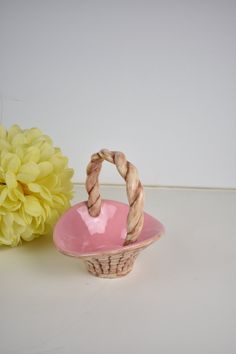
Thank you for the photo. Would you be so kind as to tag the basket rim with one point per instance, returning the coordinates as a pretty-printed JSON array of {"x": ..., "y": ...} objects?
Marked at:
[
  {"x": 103, "y": 253},
  {"x": 129, "y": 248}
]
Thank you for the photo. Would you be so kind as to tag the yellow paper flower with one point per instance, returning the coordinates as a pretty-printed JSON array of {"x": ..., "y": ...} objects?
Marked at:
[{"x": 35, "y": 184}]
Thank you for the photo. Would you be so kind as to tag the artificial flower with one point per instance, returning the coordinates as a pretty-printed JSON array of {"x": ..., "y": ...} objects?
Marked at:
[{"x": 35, "y": 184}]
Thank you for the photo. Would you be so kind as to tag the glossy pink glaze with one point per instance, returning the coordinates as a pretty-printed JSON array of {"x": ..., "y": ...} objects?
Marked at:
[{"x": 78, "y": 234}]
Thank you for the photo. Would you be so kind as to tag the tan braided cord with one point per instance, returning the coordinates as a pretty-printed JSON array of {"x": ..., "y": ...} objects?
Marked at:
[{"x": 134, "y": 189}]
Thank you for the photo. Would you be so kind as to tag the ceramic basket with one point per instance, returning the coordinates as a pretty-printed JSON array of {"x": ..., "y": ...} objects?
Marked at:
[{"x": 108, "y": 235}]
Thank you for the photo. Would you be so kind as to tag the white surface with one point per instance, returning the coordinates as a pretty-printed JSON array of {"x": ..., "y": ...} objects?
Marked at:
[
  {"x": 155, "y": 79},
  {"x": 180, "y": 297}
]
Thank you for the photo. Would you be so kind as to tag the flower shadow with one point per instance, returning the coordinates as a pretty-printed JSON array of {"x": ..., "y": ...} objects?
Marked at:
[{"x": 44, "y": 258}]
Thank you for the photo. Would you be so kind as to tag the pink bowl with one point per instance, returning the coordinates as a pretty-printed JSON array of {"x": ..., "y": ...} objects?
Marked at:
[{"x": 80, "y": 235}]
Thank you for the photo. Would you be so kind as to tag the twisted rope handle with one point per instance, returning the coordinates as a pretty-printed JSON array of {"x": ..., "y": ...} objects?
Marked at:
[{"x": 134, "y": 189}]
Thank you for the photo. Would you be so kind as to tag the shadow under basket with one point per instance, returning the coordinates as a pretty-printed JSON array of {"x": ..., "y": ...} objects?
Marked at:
[{"x": 108, "y": 235}]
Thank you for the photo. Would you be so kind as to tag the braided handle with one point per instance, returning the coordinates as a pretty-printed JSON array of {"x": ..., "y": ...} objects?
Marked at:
[{"x": 134, "y": 189}]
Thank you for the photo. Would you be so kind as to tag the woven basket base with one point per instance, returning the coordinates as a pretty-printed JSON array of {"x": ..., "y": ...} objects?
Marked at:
[
  {"x": 110, "y": 276},
  {"x": 112, "y": 266}
]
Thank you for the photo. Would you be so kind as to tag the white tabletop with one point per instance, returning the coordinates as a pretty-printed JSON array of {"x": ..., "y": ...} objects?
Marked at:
[{"x": 180, "y": 297}]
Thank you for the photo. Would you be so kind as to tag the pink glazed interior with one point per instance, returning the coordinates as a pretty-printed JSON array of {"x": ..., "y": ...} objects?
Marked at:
[{"x": 78, "y": 234}]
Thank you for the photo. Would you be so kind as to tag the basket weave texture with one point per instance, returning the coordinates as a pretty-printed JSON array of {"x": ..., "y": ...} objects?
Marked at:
[{"x": 112, "y": 266}]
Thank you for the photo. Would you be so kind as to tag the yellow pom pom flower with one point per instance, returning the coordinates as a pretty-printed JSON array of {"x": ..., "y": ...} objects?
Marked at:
[{"x": 35, "y": 184}]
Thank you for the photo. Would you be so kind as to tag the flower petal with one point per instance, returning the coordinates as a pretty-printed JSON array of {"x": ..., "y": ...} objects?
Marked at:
[
  {"x": 4, "y": 144},
  {"x": 28, "y": 234},
  {"x": 11, "y": 181},
  {"x": 3, "y": 195},
  {"x": 15, "y": 129},
  {"x": 32, "y": 154},
  {"x": 45, "y": 169},
  {"x": 32, "y": 206},
  {"x": 28, "y": 172},
  {"x": 50, "y": 181},
  {"x": 19, "y": 139},
  {"x": 27, "y": 218},
  {"x": 19, "y": 193},
  {"x": 18, "y": 219},
  {"x": 59, "y": 162},
  {"x": 11, "y": 205},
  {"x": 32, "y": 134},
  {"x": 43, "y": 191},
  {"x": 47, "y": 150},
  {"x": 10, "y": 162}
]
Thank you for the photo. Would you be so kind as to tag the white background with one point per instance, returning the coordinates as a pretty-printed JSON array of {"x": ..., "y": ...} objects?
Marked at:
[{"x": 155, "y": 79}]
